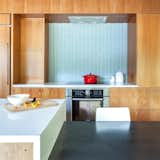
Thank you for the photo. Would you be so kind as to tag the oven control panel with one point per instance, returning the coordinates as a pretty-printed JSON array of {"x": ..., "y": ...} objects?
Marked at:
[{"x": 87, "y": 93}]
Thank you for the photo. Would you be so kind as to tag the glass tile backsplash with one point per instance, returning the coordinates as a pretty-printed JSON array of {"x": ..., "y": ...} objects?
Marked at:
[{"x": 78, "y": 49}]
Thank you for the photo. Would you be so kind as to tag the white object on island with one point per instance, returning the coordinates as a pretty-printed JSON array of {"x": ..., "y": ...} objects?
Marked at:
[
  {"x": 40, "y": 127},
  {"x": 18, "y": 99}
]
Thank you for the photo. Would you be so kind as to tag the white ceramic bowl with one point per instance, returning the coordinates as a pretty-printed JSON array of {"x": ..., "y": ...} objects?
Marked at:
[{"x": 18, "y": 99}]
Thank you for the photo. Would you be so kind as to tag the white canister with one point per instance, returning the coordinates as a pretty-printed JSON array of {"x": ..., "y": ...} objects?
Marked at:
[{"x": 119, "y": 77}]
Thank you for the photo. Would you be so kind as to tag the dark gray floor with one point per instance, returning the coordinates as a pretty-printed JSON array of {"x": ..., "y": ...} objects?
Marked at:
[{"x": 107, "y": 141}]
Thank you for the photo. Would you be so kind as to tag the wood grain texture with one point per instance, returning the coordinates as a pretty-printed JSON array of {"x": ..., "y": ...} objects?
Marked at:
[
  {"x": 5, "y": 19},
  {"x": 144, "y": 102},
  {"x": 111, "y": 18},
  {"x": 32, "y": 50},
  {"x": 148, "y": 50},
  {"x": 28, "y": 53},
  {"x": 15, "y": 51},
  {"x": 150, "y": 6},
  {"x": 132, "y": 49},
  {"x": 16, "y": 151},
  {"x": 4, "y": 61},
  {"x": 79, "y": 6},
  {"x": 41, "y": 92}
]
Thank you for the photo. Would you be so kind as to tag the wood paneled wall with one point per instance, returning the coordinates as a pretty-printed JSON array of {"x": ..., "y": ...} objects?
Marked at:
[
  {"x": 4, "y": 55},
  {"x": 132, "y": 52},
  {"x": 148, "y": 50},
  {"x": 15, "y": 51},
  {"x": 5, "y": 19},
  {"x": 144, "y": 102},
  {"x": 79, "y": 6},
  {"x": 41, "y": 92}
]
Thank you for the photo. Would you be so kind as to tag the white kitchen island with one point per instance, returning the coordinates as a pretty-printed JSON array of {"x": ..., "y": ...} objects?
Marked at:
[{"x": 39, "y": 127}]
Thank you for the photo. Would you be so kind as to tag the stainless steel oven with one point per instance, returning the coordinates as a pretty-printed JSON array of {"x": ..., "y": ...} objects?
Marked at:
[{"x": 82, "y": 103}]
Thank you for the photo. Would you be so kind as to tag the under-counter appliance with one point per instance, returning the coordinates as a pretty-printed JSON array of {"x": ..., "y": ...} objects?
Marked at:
[{"x": 82, "y": 103}]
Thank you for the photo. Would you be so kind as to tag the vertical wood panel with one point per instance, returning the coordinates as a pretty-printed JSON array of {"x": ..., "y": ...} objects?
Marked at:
[
  {"x": 4, "y": 61},
  {"x": 32, "y": 50},
  {"x": 132, "y": 49},
  {"x": 148, "y": 59},
  {"x": 15, "y": 53}
]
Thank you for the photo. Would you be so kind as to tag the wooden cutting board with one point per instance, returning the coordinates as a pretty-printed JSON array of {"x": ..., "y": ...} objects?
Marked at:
[{"x": 43, "y": 104}]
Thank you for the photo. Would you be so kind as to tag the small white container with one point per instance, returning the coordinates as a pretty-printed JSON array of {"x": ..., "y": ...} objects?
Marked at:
[
  {"x": 18, "y": 99},
  {"x": 119, "y": 78},
  {"x": 112, "y": 80}
]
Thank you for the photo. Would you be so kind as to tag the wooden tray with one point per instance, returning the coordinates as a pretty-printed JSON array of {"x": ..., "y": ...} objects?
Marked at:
[{"x": 43, "y": 104}]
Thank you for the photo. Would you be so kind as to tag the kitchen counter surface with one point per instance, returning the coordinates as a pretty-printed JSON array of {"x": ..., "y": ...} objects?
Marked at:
[
  {"x": 73, "y": 85},
  {"x": 39, "y": 126},
  {"x": 31, "y": 122},
  {"x": 108, "y": 140}
]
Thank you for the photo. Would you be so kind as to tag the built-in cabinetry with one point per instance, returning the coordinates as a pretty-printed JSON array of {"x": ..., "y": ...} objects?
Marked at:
[
  {"x": 79, "y": 6},
  {"x": 28, "y": 57},
  {"x": 31, "y": 50},
  {"x": 41, "y": 92},
  {"x": 150, "y": 6},
  {"x": 5, "y": 27},
  {"x": 16, "y": 151},
  {"x": 143, "y": 102},
  {"x": 148, "y": 50}
]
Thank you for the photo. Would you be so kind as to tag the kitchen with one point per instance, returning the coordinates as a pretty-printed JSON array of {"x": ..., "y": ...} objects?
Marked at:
[{"x": 64, "y": 51}]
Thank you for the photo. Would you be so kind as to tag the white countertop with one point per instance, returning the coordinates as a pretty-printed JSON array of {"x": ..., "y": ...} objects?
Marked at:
[
  {"x": 26, "y": 123},
  {"x": 73, "y": 85}
]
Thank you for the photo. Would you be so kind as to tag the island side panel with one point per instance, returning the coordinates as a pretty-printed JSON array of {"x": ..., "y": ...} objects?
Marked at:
[
  {"x": 16, "y": 151},
  {"x": 51, "y": 132}
]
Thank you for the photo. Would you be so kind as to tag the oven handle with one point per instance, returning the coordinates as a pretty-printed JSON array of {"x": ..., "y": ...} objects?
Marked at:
[{"x": 87, "y": 99}]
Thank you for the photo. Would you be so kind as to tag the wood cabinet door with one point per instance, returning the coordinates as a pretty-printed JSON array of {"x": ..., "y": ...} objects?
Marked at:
[
  {"x": 150, "y": 6},
  {"x": 16, "y": 151},
  {"x": 4, "y": 61},
  {"x": 5, "y": 19},
  {"x": 148, "y": 49}
]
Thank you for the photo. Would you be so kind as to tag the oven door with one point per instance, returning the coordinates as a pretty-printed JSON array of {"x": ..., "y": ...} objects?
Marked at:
[{"x": 84, "y": 109}]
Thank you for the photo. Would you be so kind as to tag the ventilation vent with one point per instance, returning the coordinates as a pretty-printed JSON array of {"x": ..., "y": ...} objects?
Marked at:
[{"x": 87, "y": 19}]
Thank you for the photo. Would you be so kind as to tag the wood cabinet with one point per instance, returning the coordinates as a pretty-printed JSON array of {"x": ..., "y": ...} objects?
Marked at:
[
  {"x": 132, "y": 52},
  {"x": 150, "y": 6},
  {"x": 143, "y": 102},
  {"x": 148, "y": 57},
  {"x": 4, "y": 56},
  {"x": 58, "y": 93},
  {"x": 5, "y": 19},
  {"x": 16, "y": 151},
  {"x": 29, "y": 51},
  {"x": 79, "y": 6}
]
